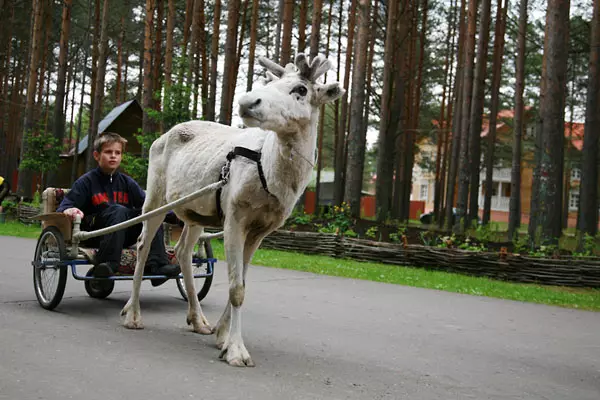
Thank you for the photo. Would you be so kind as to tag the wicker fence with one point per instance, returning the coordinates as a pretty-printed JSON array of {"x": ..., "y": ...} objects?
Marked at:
[{"x": 565, "y": 271}]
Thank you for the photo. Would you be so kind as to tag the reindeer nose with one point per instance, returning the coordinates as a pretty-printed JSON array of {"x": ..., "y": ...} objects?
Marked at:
[{"x": 248, "y": 105}]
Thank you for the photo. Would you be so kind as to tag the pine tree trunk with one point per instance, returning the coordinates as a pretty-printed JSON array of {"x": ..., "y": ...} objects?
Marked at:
[
  {"x": 95, "y": 52},
  {"x": 500, "y": 29},
  {"x": 169, "y": 45},
  {"x": 477, "y": 111},
  {"x": 194, "y": 57},
  {"x": 385, "y": 143},
  {"x": 120, "y": 60},
  {"x": 97, "y": 110},
  {"x": 59, "y": 117},
  {"x": 214, "y": 58},
  {"x": 321, "y": 127},
  {"x": 147, "y": 123},
  {"x": 230, "y": 54},
  {"x": 340, "y": 151},
  {"x": 286, "y": 38},
  {"x": 316, "y": 28},
  {"x": 356, "y": 136},
  {"x": 302, "y": 25},
  {"x": 278, "y": 30},
  {"x": 467, "y": 95},
  {"x": 552, "y": 157},
  {"x": 25, "y": 176},
  {"x": 157, "y": 61},
  {"x": 588, "y": 211},
  {"x": 437, "y": 196},
  {"x": 514, "y": 217},
  {"x": 252, "y": 49},
  {"x": 204, "y": 58},
  {"x": 240, "y": 44},
  {"x": 45, "y": 63}
]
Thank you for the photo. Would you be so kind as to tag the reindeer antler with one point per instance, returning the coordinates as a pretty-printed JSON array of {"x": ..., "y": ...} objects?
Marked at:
[{"x": 318, "y": 66}]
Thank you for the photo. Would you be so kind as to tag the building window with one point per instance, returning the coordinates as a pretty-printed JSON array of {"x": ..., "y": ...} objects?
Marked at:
[
  {"x": 576, "y": 174},
  {"x": 423, "y": 192},
  {"x": 574, "y": 199}
]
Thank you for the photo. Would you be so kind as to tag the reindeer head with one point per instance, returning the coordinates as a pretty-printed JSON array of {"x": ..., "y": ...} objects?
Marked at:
[{"x": 291, "y": 95}]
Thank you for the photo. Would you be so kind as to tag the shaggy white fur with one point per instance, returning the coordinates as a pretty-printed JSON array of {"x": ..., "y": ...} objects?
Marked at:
[{"x": 282, "y": 118}]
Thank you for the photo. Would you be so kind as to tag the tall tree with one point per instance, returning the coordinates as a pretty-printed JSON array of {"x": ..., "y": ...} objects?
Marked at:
[
  {"x": 316, "y": 28},
  {"x": 588, "y": 206},
  {"x": 286, "y": 39},
  {"x": 476, "y": 118},
  {"x": 147, "y": 123},
  {"x": 24, "y": 183},
  {"x": 356, "y": 135},
  {"x": 97, "y": 110},
  {"x": 252, "y": 49},
  {"x": 230, "y": 55},
  {"x": 553, "y": 110},
  {"x": 387, "y": 133},
  {"x": 214, "y": 59},
  {"x": 59, "y": 116},
  {"x": 302, "y": 25},
  {"x": 169, "y": 44},
  {"x": 467, "y": 96},
  {"x": 340, "y": 150},
  {"x": 501, "y": 15},
  {"x": 514, "y": 218},
  {"x": 456, "y": 121}
]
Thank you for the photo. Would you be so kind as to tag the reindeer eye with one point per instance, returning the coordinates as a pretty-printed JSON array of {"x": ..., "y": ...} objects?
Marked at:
[{"x": 300, "y": 89}]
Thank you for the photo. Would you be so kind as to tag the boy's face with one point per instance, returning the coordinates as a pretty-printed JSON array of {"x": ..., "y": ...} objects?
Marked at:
[{"x": 109, "y": 157}]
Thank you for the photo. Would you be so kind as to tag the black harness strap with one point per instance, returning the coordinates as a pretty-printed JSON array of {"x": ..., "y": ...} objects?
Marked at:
[{"x": 251, "y": 155}]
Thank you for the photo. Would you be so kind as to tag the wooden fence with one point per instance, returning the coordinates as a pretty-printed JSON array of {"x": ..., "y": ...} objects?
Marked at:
[{"x": 564, "y": 271}]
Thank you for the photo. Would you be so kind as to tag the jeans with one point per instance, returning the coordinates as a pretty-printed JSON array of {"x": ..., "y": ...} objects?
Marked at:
[{"x": 110, "y": 246}]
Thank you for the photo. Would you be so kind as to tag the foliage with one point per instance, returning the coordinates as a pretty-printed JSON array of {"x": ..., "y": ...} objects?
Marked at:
[
  {"x": 521, "y": 244},
  {"x": 9, "y": 207},
  {"x": 301, "y": 218},
  {"x": 136, "y": 166},
  {"x": 470, "y": 245},
  {"x": 41, "y": 152},
  {"x": 339, "y": 219},
  {"x": 589, "y": 244},
  {"x": 372, "y": 233}
]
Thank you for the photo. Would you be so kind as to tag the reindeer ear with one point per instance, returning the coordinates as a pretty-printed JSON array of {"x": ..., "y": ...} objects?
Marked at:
[
  {"x": 328, "y": 92},
  {"x": 274, "y": 68}
]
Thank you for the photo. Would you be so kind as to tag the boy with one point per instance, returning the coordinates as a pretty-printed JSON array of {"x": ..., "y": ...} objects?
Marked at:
[{"x": 105, "y": 197}]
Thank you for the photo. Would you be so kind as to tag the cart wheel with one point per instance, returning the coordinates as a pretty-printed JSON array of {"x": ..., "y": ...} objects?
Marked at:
[
  {"x": 49, "y": 281},
  {"x": 98, "y": 289},
  {"x": 197, "y": 269}
]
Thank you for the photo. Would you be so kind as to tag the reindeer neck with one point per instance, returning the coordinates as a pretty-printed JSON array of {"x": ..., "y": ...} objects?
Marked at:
[{"x": 289, "y": 159}]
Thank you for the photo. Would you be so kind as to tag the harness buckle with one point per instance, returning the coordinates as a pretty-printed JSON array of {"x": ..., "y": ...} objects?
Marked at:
[{"x": 225, "y": 171}]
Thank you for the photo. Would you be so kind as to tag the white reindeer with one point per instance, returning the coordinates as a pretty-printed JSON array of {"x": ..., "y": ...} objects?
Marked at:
[{"x": 282, "y": 116}]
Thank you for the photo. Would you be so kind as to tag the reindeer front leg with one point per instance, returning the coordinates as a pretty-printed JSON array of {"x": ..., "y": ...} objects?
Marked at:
[
  {"x": 131, "y": 312},
  {"x": 234, "y": 351},
  {"x": 183, "y": 251}
]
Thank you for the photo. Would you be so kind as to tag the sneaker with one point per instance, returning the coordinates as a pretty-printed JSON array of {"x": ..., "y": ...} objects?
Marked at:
[
  {"x": 105, "y": 269},
  {"x": 169, "y": 270}
]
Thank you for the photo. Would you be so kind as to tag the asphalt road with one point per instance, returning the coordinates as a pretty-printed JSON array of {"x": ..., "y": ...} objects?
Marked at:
[{"x": 311, "y": 337}]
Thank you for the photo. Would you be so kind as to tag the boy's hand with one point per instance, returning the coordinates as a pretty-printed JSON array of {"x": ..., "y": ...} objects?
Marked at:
[{"x": 72, "y": 212}]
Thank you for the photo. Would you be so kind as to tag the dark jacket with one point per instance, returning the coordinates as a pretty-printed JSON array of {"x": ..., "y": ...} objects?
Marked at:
[{"x": 95, "y": 190}]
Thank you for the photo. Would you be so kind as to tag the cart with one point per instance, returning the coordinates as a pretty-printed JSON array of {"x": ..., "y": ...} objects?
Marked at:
[{"x": 58, "y": 249}]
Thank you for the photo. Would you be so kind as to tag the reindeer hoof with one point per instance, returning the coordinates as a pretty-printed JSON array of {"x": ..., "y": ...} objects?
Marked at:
[
  {"x": 236, "y": 356},
  {"x": 200, "y": 327}
]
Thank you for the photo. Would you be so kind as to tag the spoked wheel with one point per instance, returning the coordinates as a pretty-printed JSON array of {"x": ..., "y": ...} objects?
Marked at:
[
  {"x": 199, "y": 269},
  {"x": 98, "y": 289},
  {"x": 49, "y": 275}
]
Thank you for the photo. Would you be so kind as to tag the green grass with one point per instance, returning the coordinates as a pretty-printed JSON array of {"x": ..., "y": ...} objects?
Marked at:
[
  {"x": 14, "y": 228},
  {"x": 584, "y": 299}
]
